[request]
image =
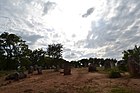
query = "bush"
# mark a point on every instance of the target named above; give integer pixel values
(21, 69)
(123, 68)
(114, 74)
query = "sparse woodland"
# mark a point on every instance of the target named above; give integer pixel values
(19, 66)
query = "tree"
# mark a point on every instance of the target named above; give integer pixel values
(12, 48)
(84, 62)
(37, 56)
(55, 51)
(132, 58)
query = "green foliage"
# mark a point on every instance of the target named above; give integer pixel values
(12, 48)
(25, 62)
(120, 90)
(22, 69)
(114, 73)
(14, 52)
(132, 58)
(55, 51)
(123, 68)
(135, 53)
(37, 56)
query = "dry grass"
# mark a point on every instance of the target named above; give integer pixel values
(79, 82)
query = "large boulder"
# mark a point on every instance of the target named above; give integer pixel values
(16, 76)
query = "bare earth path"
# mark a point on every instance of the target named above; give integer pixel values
(79, 82)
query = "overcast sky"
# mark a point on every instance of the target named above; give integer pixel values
(86, 28)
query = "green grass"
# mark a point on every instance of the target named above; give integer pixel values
(120, 90)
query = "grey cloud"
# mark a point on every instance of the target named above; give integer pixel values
(69, 54)
(80, 43)
(56, 35)
(48, 6)
(89, 12)
(119, 31)
(88, 55)
(30, 37)
(73, 35)
(111, 35)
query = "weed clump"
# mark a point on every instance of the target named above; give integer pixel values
(114, 74)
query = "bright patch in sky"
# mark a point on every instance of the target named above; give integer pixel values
(86, 28)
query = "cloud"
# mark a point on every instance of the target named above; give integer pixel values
(48, 6)
(118, 32)
(89, 12)
(113, 27)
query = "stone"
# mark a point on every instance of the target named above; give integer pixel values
(133, 67)
(92, 68)
(39, 70)
(30, 70)
(16, 76)
(67, 69)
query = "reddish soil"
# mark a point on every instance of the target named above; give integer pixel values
(79, 82)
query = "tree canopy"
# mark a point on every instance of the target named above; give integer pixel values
(12, 48)
(55, 51)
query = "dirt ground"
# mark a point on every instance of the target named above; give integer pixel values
(81, 81)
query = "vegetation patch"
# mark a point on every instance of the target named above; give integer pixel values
(120, 90)
(86, 89)
(114, 74)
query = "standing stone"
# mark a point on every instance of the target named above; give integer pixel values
(16, 76)
(56, 68)
(67, 69)
(133, 67)
(22, 75)
(92, 68)
(107, 65)
(112, 64)
(30, 70)
(13, 76)
(39, 70)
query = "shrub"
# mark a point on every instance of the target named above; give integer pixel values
(123, 68)
(21, 69)
(114, 74)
